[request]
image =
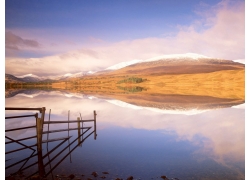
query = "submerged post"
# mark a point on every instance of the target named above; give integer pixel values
(79, 131)
(39, 130)
(95, 124)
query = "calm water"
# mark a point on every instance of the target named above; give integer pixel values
(134, 140)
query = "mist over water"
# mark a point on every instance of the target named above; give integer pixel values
(145, 142)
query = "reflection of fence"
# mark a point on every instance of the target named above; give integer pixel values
(38, 152)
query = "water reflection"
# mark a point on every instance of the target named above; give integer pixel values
(35, 154)
(214, 126)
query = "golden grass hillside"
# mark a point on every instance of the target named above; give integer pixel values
(228, 84)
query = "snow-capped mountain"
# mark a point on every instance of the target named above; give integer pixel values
(28, 75)
(76, 75)
(173, 58)
(30, 78)
(123, 64)
(191, 56)
(35, 78)
(12, 79)
(242, 61)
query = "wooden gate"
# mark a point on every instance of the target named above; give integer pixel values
(42, 164)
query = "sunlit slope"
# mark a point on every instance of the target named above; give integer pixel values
(228, 84)
(222, 84)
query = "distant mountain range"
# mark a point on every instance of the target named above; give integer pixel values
(33, 78)
(167, 64)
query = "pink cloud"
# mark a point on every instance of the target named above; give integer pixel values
(219, 33)
(14, 42)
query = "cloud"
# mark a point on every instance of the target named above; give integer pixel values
(219, 33)
(15, 42)
(226, 140)
(70, 62)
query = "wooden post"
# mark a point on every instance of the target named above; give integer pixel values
(39, 130)
(79, 131)
(43, 115)
(95, 125)
(68, 135)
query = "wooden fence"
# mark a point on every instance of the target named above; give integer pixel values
(40, 132)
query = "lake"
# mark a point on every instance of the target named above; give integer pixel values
(177, 136)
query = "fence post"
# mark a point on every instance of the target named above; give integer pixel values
(43, 114)
(95, 124)
(39, 130)
(79, 131)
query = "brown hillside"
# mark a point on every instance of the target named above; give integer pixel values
(178, 67)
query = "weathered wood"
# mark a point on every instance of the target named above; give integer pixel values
(68, 152)
(29, 147)
(56, 139)
(25, 146)
(58, 155)
(95, 135)
(60, 130)
(20, 139)
(67, 121)
(13, 117)
(18, 108)
(47, 154)
(27, 127)
(32, 155)
(79, 131)
(39, 129)
(39, 146)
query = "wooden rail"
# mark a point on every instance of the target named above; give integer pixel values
(39, 134)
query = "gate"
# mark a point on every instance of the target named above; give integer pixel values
(44, 161)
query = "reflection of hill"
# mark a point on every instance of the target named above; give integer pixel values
(152, 100)
(178, 102)
(13, 92)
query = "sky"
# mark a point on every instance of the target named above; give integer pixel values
(48, 37)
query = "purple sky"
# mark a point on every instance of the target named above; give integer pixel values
(52, 37)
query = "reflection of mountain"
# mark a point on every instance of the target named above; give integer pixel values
(177, 102)
(13, 92)
(12, 79)
(220, 133)
(173, 102)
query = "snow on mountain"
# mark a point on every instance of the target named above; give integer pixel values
(179, 56)
(92, 97)
(165, 111)
(28, 95)
(241, 106)
(189, 56)
(192, 56)
(76, 75)
(67, 75)
(30, 78)
(28, 75)
(76, 95)
(91, 72)
(123, 64)
(123, 104)
(242, 61)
